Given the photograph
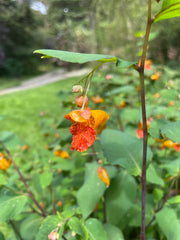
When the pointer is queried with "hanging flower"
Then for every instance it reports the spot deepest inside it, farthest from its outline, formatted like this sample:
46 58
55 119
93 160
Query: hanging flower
155 76
83 129
147 64
61 153
4 162
97 99
103 175
53 236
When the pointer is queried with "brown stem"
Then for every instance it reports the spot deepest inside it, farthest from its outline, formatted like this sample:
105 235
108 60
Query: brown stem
145 133
29 193
15 230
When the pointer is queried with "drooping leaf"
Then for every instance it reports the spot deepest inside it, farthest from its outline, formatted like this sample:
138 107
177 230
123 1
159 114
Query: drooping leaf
171 130
95 229
113 232
174 200
170 9
48 225
76 226
124 150
153 177
12 207
169 223
120 197
9 139
83 57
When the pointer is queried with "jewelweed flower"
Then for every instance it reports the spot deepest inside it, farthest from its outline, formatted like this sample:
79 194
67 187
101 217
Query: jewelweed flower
147 64
83 129
155 76
97 99
103 175
61 153
53 236
4 162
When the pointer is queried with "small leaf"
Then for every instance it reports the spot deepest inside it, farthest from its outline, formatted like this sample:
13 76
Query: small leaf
95 229
9 139
152 176
170 9
46 179
174 200
48 225
12 207
113 232
171 130
77 227
124 64
168 223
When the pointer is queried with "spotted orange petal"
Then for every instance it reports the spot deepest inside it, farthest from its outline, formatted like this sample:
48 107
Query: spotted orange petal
83 137
100 117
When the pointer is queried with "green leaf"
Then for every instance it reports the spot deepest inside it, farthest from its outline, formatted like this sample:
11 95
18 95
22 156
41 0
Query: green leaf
83 57
9 139
12 207
123 150
92 190
171 130
29 226
172 167
120 197
174 200
117 90
48 225
95 229
77 227
155 128
153 177
169 223
46 179
170 94
2 179
75 57
170 9
113 232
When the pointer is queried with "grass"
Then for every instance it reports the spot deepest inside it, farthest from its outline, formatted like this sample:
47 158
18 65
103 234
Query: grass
20 112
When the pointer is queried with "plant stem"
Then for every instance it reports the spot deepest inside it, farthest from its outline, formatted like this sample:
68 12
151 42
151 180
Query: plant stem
145 133
15 230
29 193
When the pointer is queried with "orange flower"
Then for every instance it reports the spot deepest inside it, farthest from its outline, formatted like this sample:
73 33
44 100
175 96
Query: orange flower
147 64
53 236
59 203
24 147
122 104
108 77
157 95
139 133
60 153
4 163
83 129
97 99
170 144
103 175
155 76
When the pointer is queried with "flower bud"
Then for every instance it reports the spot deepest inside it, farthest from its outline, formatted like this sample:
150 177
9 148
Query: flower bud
80 100
77 89
103 175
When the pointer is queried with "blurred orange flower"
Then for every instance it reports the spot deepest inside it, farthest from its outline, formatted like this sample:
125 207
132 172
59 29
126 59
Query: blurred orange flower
24 147
155 76
103 175
97 99
122 104
170 144
147 64
83 129
53 236
108 77
4 162
60 153
139 130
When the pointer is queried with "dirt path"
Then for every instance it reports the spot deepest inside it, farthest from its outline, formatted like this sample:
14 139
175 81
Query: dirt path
44 79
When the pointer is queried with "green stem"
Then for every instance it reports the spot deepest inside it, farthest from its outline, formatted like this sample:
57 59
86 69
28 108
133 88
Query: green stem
144 119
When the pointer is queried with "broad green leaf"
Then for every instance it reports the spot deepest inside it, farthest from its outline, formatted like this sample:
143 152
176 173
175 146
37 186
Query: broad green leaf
77 227
29 226
124 89
83 57
169 223
95 229
3 180
170 94
123 150
157 194
113 232
170 9
92 190
120 197
155 128
9 139
46 179
12 207
171 130
172 167
153 177
48 225
174 200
